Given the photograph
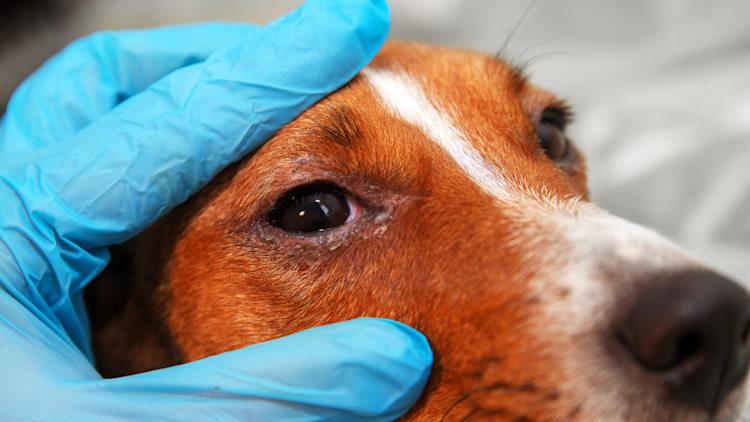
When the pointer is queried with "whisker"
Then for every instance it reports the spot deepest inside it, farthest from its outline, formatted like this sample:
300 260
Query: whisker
512 32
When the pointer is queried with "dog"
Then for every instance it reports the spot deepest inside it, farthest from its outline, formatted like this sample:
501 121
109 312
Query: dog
438 188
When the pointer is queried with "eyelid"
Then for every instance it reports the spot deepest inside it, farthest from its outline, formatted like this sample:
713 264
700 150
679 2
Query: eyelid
554 116
561 116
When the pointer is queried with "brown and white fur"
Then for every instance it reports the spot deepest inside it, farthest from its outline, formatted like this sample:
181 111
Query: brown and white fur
538 305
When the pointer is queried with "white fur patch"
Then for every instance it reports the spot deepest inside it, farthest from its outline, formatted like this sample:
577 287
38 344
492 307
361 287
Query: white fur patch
404 97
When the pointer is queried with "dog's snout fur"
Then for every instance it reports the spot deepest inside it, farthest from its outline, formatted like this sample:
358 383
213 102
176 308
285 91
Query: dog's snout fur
538 305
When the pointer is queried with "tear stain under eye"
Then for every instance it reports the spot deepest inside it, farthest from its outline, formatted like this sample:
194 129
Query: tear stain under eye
335 246
380 230
381 220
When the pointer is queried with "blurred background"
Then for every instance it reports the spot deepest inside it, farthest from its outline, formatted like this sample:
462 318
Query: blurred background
661 88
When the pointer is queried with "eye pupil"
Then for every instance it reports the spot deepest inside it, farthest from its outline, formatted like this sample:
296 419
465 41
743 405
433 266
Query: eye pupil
311 209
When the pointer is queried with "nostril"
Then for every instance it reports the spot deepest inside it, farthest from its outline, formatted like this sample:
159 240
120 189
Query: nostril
689 332
658 351
689 346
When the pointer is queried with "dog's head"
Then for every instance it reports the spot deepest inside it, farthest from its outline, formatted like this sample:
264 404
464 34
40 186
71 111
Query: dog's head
438 189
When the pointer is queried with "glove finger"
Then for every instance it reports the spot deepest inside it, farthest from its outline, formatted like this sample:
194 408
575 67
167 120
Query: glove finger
361 370
94 74
366 369
38 361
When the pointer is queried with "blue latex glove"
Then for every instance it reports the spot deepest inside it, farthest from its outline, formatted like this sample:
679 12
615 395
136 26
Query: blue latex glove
109 135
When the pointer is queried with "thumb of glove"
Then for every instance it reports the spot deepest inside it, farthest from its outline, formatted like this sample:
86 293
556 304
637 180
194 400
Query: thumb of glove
364 369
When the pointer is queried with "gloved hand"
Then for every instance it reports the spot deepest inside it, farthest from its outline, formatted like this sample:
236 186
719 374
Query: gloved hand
109 135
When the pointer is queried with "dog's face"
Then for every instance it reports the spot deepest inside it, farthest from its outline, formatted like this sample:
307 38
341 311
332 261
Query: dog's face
438 189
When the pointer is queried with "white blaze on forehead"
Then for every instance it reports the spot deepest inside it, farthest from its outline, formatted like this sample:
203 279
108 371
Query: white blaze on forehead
403 96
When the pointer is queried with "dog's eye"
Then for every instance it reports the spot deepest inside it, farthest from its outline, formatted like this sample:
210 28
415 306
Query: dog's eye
551 134
312 209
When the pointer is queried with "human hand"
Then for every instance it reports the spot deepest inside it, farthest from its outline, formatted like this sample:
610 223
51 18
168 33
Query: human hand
112 133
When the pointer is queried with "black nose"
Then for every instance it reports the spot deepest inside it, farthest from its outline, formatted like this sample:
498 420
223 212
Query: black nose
689 332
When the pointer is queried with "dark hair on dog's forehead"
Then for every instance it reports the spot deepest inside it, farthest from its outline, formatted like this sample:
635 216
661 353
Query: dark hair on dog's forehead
341 124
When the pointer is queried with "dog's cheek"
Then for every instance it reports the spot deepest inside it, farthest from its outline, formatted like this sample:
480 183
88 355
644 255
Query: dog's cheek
482 311
219 301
